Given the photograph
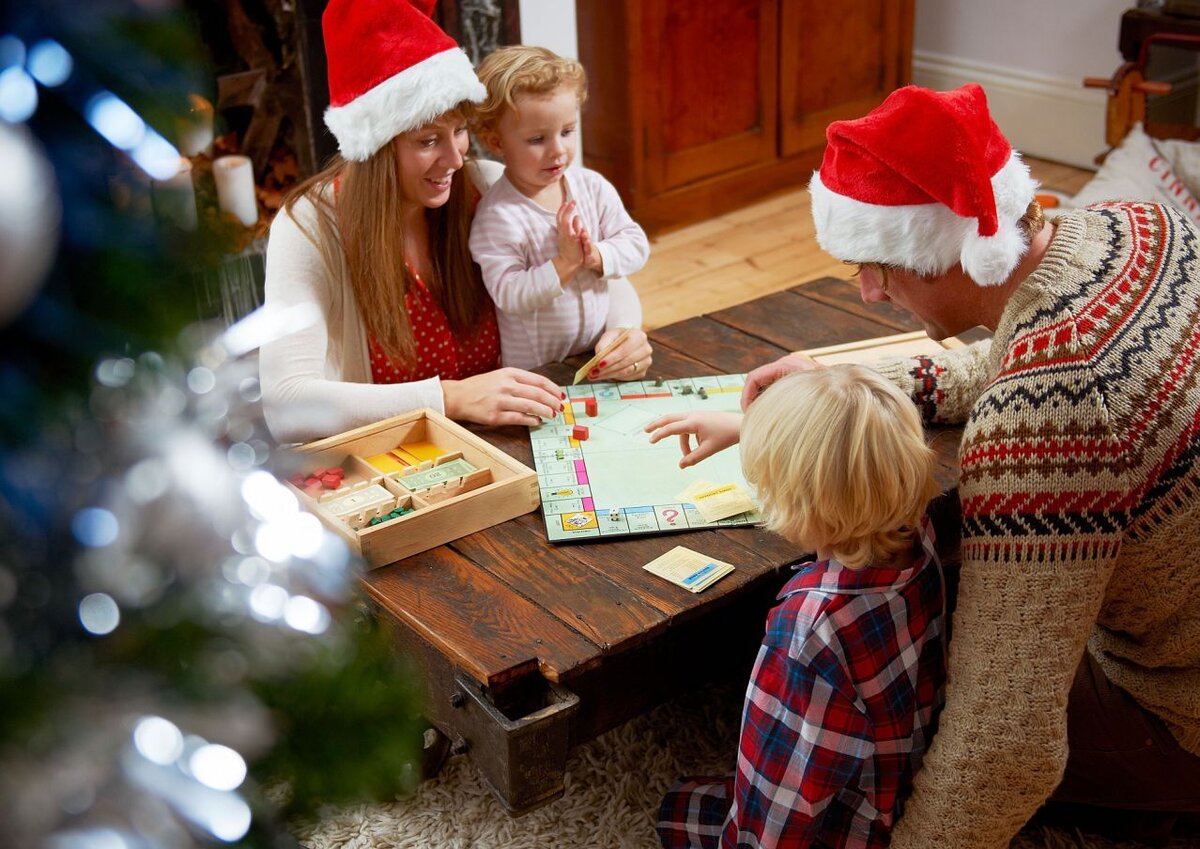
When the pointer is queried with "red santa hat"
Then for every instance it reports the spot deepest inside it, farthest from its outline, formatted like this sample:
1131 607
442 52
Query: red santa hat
391 69
923 182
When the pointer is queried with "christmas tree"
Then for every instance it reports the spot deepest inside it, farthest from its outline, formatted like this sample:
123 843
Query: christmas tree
184 660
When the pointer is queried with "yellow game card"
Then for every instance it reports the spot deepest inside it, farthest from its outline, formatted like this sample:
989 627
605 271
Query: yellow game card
721 502
688 569
590 364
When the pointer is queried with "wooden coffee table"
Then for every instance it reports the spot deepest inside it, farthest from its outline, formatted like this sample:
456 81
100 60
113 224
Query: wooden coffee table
525 648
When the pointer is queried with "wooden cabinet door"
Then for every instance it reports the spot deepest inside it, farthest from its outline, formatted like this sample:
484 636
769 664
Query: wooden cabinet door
838 60
709 89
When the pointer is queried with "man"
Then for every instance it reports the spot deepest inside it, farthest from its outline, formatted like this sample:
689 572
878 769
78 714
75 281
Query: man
1074 669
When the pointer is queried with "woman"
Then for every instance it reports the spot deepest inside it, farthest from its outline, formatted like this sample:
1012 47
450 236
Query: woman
377 243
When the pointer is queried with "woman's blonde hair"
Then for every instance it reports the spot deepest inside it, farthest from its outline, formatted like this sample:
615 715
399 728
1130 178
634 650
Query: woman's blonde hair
519 69
359 220
838 456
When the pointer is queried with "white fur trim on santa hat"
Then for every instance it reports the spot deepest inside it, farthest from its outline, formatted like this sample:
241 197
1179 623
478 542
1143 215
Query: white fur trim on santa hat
928 239
407 101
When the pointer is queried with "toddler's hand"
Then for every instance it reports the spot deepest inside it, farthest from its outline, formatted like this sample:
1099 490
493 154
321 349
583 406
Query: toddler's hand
570 253
714 432
592 260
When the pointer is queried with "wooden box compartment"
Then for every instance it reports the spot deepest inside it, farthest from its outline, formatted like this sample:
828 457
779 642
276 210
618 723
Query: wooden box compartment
442 507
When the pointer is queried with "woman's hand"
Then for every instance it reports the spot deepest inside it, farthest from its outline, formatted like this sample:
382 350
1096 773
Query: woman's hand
714 432
628 361
758 380
506 396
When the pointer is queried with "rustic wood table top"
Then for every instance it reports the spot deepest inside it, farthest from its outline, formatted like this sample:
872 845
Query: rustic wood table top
504 604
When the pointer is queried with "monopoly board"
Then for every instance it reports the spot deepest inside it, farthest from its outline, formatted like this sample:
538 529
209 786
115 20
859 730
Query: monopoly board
615 483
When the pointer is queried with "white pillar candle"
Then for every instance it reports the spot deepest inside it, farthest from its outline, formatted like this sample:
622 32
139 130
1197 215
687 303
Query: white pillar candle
175 198
196 130
234 176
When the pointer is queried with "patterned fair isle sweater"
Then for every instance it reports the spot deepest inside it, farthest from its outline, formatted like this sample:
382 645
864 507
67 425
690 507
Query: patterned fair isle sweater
1080 493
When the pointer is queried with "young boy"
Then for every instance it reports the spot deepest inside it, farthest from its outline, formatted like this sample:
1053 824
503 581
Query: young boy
843 698
554 243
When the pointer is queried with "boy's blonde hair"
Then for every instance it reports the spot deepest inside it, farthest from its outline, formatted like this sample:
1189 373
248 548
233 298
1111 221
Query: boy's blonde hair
519 69
838 456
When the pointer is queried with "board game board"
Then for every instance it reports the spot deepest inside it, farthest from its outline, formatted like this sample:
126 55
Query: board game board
615 483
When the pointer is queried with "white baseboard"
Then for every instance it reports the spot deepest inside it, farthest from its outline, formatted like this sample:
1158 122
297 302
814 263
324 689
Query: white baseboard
1047 117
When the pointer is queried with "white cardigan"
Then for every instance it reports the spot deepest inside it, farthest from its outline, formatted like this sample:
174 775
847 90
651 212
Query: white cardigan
317 381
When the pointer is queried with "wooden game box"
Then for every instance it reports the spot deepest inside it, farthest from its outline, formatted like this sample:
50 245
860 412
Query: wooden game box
499 488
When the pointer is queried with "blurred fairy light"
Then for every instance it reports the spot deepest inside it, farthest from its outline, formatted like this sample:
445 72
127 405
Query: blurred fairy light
99 614
305 614
95 527
115 120
93 838
222 813
146 481
49 63
267 498
268 602
18 95
158 740
252 571
114 373
218 767
12 51
201 380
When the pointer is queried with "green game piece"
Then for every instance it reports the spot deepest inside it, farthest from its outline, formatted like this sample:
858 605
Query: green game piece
375 520
686 390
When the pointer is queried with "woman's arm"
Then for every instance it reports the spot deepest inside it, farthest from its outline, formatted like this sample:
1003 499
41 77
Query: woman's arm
315 380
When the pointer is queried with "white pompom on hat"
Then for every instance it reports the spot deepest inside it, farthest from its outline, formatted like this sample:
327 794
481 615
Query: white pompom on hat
391 70
923 182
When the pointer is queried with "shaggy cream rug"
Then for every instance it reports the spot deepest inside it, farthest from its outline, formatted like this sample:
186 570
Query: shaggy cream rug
613 787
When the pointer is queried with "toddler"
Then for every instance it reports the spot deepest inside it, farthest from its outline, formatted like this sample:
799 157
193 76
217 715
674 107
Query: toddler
845 691
554 243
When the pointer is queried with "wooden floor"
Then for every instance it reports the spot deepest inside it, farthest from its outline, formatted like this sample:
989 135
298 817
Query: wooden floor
757 250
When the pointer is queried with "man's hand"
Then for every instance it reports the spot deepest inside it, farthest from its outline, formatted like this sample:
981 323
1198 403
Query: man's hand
763 376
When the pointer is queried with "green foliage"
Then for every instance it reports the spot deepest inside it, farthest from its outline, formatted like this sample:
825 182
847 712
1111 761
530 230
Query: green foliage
349 728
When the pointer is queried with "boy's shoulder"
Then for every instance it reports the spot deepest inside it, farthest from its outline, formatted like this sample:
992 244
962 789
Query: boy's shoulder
803 609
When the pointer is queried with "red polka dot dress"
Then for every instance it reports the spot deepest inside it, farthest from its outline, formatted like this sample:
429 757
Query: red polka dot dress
439 352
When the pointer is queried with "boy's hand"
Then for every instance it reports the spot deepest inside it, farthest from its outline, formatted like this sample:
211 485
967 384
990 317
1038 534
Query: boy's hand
714 432
592 260
570 253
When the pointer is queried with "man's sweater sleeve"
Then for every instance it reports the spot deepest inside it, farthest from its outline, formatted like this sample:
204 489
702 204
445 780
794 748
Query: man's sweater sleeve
943 386
1042 519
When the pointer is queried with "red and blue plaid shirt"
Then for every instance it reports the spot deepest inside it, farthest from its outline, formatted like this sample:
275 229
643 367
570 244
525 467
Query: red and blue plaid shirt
841 706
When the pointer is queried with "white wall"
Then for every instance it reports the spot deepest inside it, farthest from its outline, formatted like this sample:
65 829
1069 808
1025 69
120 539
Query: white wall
1029 55
551 24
